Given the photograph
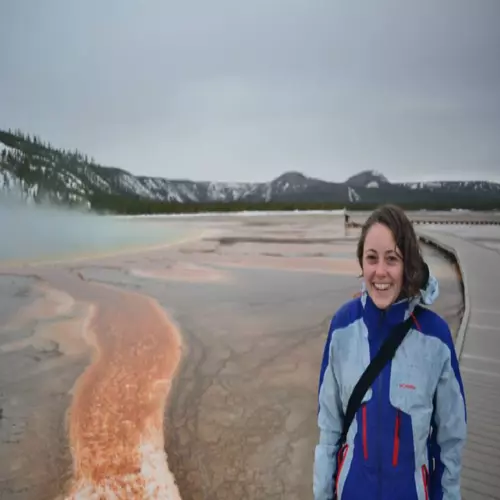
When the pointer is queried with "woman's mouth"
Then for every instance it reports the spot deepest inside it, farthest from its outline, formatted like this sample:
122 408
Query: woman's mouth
381 287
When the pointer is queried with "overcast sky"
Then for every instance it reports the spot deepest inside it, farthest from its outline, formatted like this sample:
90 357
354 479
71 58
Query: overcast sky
243 91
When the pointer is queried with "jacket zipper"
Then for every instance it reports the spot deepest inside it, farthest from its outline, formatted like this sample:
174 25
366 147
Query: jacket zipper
425 476
365 440
395 453
342 456
378 439
379 408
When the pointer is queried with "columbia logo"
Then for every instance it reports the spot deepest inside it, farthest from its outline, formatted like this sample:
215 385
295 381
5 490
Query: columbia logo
407 386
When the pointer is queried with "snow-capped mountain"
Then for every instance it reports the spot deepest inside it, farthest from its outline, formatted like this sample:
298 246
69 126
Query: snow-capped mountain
37 171
455 186
367 179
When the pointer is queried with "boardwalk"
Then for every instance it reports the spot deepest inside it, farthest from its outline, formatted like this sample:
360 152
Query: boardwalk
479 351
446 218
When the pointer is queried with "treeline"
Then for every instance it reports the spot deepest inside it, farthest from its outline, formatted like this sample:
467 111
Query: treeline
33 145
128 205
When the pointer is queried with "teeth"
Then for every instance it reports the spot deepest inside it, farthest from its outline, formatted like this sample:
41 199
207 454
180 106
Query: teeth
379 286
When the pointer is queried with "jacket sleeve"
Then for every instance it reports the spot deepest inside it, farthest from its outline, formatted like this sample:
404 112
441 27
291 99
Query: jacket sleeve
450 428
330 420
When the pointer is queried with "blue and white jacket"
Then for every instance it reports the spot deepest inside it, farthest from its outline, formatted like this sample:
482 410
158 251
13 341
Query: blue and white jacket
406 440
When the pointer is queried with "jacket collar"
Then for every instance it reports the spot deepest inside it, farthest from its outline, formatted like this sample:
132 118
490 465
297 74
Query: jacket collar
400 310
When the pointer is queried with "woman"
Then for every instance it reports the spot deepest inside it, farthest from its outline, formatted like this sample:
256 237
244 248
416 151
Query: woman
406 439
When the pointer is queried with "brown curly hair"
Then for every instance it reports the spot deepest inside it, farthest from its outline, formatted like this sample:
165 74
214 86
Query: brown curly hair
414 267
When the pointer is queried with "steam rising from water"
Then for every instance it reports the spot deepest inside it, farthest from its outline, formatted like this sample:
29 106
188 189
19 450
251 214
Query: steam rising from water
32 232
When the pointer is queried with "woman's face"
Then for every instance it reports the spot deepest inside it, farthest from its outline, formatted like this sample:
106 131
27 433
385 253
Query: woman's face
382 266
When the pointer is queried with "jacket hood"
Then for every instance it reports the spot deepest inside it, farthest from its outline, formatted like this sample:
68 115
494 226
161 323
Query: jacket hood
430 292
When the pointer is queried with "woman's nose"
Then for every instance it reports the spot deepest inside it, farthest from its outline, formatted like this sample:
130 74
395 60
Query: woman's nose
381 269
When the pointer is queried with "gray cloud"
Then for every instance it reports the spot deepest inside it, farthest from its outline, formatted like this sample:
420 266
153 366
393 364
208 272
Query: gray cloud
243 91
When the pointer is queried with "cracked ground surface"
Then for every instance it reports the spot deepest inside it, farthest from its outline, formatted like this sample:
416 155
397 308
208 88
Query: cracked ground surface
197 362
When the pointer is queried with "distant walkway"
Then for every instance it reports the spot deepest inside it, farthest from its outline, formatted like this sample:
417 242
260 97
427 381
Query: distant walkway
479 351
419 217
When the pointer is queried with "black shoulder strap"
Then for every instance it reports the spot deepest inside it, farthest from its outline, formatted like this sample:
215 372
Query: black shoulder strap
386 353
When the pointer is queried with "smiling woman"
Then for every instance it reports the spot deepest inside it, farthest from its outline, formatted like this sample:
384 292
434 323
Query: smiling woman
389 255
407 435
382 265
